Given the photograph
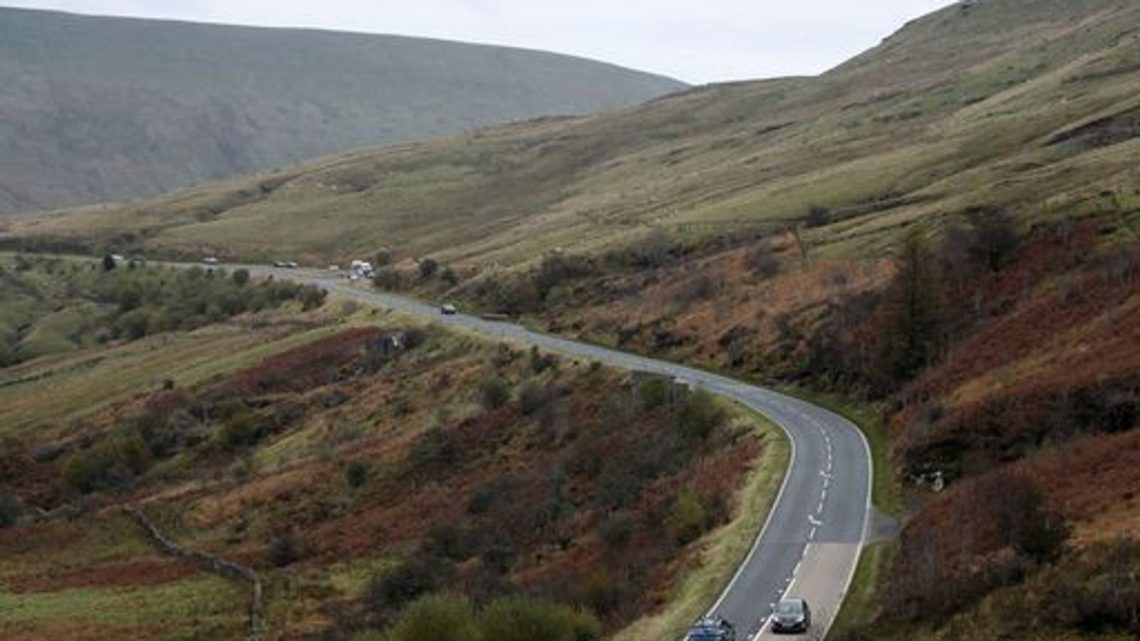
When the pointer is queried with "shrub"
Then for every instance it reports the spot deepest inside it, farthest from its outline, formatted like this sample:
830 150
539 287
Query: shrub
408 581
241 277
532 398
312 297
995 236
449 276
428 268
434 450
689 519
817 216
437 618
108 465
761 262
699 416
495 393
388 279
285 549
355 474
527 620
11 509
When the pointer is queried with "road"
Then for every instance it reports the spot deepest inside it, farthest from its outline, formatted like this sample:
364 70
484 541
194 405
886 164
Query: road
811 540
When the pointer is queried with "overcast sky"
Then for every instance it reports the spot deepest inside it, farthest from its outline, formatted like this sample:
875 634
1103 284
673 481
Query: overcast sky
693 40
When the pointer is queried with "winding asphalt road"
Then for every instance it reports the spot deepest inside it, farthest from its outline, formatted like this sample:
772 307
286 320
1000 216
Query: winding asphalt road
811 540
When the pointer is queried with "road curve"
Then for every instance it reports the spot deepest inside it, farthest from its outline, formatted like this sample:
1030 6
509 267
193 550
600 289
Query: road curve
811 540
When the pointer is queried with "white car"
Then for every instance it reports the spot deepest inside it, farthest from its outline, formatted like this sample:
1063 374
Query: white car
447 309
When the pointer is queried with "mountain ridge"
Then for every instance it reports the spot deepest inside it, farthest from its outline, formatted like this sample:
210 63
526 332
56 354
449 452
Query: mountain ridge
101 108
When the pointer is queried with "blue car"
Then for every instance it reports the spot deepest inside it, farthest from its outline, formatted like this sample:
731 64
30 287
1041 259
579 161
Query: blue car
711 629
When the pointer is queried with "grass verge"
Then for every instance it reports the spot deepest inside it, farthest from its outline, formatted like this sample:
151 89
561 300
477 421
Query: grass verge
725 548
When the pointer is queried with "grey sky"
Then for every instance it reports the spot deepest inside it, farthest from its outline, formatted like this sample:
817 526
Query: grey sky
694 40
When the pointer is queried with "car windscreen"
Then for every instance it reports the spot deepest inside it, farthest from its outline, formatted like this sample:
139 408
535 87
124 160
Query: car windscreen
789 607
704 634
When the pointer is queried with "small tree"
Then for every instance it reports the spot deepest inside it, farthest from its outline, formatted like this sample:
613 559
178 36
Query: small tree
495 393
356 474
428 268
817 216
241 277
108 262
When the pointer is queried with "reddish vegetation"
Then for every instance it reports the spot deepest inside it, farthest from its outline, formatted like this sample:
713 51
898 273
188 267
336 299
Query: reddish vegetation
1055 352
299 370
136 572
1095 483
568 490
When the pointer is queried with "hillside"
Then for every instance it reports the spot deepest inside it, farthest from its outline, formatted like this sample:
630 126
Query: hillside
357 461
1028 105
95 109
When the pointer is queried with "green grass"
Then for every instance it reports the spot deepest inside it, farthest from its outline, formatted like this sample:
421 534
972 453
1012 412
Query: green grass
956 110
724 549
199 607
42 394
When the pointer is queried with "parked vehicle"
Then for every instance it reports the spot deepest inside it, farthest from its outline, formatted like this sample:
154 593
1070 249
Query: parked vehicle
210 260
791 616
447 309
711 629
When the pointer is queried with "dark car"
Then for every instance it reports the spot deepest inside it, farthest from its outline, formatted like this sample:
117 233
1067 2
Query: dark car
711 629
791 615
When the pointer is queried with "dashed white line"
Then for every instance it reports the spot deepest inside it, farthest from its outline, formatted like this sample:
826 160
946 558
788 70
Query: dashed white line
811 535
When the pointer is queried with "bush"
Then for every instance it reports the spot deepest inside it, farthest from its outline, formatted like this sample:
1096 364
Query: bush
356 474
409 581
241 277
428 268
11 509
699 416
495 393
689 519
435 450
526 620
285 549
761 262
312 297
444 617
438 617
817 216
388 279
111 464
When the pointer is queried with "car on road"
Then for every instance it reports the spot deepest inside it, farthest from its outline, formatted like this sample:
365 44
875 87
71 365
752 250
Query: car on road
711 629
447 309
210 260
792 615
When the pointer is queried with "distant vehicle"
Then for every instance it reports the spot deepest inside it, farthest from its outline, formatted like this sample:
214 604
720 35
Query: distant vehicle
290 264
791 615
210 260
711 629
447 309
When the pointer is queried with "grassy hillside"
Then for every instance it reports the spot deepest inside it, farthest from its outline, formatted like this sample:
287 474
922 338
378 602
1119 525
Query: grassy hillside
1024 104
95 109
357 479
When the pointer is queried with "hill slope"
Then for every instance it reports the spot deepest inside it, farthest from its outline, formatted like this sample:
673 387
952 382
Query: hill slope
96 108
1025 104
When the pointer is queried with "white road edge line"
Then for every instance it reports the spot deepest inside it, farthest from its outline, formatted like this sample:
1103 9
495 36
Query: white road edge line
767 521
